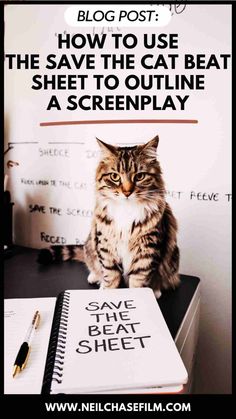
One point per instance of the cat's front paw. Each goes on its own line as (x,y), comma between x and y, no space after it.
(157,293)
(93,279)
(106,284)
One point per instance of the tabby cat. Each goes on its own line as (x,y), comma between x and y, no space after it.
(133,233)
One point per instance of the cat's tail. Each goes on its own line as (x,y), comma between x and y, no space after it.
(61,253)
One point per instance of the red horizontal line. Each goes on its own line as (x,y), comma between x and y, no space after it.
(120,121)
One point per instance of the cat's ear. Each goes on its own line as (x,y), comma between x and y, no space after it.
(106,148)
(152,144)
(150,148)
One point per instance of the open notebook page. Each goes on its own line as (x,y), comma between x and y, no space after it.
(18,313)
(136,351)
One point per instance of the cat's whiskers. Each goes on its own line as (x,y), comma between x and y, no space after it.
(149,195)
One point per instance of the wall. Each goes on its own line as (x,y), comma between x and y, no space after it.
(53,195)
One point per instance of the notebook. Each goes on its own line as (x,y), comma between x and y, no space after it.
(110,341)
(18,314)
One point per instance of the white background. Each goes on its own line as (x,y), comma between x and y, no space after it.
(193,157)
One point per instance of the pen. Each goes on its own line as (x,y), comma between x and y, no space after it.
(23,354)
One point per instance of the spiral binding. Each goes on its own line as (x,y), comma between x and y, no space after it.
(57,343)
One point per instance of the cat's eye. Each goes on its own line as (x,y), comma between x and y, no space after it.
(140,176)
(115,177)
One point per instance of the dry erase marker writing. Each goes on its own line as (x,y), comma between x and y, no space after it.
(24,350)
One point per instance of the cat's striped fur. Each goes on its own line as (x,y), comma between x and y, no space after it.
(133,232)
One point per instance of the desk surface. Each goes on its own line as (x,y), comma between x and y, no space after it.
(25,278)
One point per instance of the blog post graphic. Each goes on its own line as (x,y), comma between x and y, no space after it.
(117,161)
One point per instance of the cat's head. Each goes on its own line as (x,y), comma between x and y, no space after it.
(129,173)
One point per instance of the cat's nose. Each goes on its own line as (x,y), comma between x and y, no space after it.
(127,186)
(127,193)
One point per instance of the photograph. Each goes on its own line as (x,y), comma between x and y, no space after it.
(117,201)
